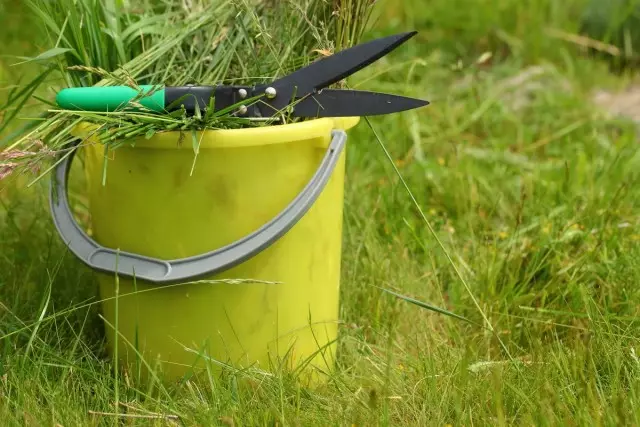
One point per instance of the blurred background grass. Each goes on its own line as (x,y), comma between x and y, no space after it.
(528,181)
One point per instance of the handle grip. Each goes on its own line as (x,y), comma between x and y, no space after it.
(110,98)
(185,269)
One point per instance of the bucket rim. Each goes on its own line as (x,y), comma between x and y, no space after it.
(246,137)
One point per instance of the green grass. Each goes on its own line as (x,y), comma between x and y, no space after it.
(532,193)
(173,43)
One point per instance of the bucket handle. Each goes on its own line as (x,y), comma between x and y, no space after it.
(164,272)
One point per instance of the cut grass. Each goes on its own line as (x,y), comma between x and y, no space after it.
(170,43)
(532,192)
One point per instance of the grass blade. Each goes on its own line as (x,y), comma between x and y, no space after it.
(428,306)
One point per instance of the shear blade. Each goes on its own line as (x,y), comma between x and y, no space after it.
(351,103)
(333,68)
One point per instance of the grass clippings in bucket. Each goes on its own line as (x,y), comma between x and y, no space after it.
(169,43)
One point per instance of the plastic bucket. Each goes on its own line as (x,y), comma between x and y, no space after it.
(234,261)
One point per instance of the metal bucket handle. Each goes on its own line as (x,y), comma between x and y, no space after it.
(190,268)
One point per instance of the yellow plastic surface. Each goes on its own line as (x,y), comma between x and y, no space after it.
(151,205)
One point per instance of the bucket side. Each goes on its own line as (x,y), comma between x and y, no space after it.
(153,204)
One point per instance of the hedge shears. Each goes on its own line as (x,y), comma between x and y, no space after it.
(303,93)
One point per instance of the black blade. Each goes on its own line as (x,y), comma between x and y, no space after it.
(350,103)
(334,68)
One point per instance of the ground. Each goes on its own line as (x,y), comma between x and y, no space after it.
(526,222)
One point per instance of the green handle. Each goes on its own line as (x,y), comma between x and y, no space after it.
(109,98)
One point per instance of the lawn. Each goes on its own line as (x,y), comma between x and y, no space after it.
(512,200)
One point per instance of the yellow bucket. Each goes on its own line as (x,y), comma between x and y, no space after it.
(233,260)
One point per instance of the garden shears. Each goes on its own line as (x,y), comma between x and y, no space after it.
(303,93)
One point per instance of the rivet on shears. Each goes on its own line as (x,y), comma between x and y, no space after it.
(270,92)
(242,109)
(242,93)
